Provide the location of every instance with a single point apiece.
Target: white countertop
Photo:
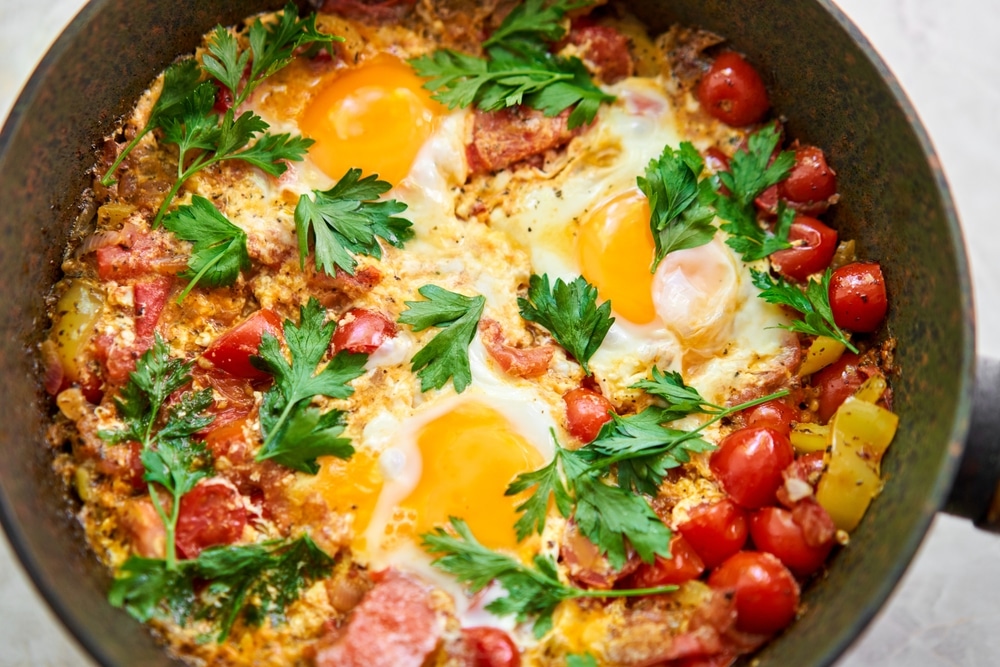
(946, 612)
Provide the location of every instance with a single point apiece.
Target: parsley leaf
(548, 482)
(532, 591)
(747, 237)
(294, 435)
(220, 247)
(585, 660)
(534, 19)
(256, 581)
(813, 303)
(447, 354)
(682, 400)
(570, 313)
(347, 219)
(672, 188)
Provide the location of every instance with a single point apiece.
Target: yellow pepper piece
(823, 352)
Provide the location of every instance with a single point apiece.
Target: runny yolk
(350, 488)
(616, 249)
(469, 457)
(374, 117)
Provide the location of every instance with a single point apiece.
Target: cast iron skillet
(823, 76)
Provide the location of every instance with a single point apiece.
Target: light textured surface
(947, 56)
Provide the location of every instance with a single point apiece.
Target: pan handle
(976, 492)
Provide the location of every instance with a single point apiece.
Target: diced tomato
(150, 298)
(211, 514)
(504, 138)
(766, 593)
(362, 331)
(491, 647)
(684, 565)
(715, 531)
(814, 245)
(378, 11)
(587, 565)
(811, 179)
(775, 532)
(603, 49)
(586, 412)
(749, 463)
(733, 92)
(234, 400)
(232, 350)
(516, 362)
(776, 414)
(229, 441)
(818, 528)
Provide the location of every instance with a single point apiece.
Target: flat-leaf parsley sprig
(295, 433)
(813, 303)
(532, 591)
(446, 356)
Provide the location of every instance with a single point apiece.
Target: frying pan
(821, 75)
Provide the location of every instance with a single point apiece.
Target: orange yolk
(374, 117)
(616, 249)
(351, 488)
(469, 456)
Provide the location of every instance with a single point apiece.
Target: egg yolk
(615, 247)
(350, 488)
(469, 457)
(374, 117)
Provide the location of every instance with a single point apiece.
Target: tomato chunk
(766, 593)
(684, 565)
(150, 299)
(857, 296)
(775, 414)
(775, 532)
(811, 178)
(733, 92)
(491, 647)
(586, 412)
(716, 531)
(211, 514)
(232, 350)
(749, 463)
(814, 245)
(362, 331)
(836, 382)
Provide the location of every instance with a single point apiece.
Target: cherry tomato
(857, 296)
(810, 180)
(715, 531)
(210, 514)
(814, 245)
(766, 593)
(775, 532)
(232, 350)
(586, 412)
(748, 465)
(835, 383)
(733, 92)
(491, 647)
(774, 414)
(362, 331)
(684, 565)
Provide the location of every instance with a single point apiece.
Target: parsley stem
(168, 523)
(198, 276)
(277, 426)
(108, 179)
(624, 593)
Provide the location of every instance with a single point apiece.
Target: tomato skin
(232, 350)
(811, 178)
(766, 593)
(362, 331)
(835, 383)
(774, 531)
(716, 531)
(857, 297)
(491, 647)
(774, 414)
(733, 92)
(748, 465)
(210, 514)
(586, 412)
(685, 565)
(815, 244)
(150, 298)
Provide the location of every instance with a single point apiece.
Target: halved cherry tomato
(814, 245)
(232, 350)
(835, 383)
(857, 296)
(748, 465)
(586, 412)
(774, 414)
(210, 514)
(491, 647)
(362, 331)
(810, 180)
(775, 532)
(716, 531)
(766, 593)
(733, 92)
(684, 565)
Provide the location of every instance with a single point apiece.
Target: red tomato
(775, 532)
(586, 412)
(748, 465)
(811, 179)
(774, 414)
(362, 331)
(150, 298)
(232, 350)
(814, 245)
(715, 531)
(684, 565)
(835, 383)
(733, 92)
(857, 296)
(210, 514)
(766, 593)
(491, 647)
